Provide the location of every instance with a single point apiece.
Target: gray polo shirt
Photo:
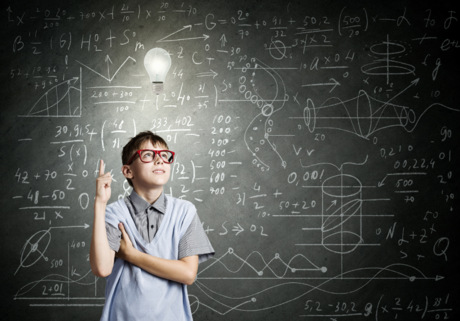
(148, 217)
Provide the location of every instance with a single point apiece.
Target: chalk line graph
(61, 100)
(108, 61)
(56, 278)
(222, 302)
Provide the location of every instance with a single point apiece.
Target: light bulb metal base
(157, 87)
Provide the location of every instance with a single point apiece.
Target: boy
(158, 243)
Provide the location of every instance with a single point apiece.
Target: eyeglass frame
(156, 152)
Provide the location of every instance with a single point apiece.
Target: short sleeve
(195, 242)
(113, 236)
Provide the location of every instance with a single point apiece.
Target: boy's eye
(147, 155)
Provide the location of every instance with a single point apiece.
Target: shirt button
(152, 226)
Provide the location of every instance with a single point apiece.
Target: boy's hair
(135, 144)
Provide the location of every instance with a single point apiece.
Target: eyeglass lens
(149, 156)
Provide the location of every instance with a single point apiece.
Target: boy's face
(148, 176)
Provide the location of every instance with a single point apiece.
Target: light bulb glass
(157, 63)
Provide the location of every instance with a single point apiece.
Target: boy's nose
(158, 159)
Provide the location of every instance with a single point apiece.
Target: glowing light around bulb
(157, 63)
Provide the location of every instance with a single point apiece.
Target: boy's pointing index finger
(101, 168)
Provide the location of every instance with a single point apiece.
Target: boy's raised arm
(101, 256)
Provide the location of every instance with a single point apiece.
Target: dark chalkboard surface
(317, 140)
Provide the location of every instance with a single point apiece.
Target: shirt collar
(140, 204)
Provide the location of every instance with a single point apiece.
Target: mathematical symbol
(148, 13)
(102, 15)
(312, 39)
(365, 81)
(413, 235)
(70, 167)
(37, 176)
(20, 19)
(384, 309)
(327, 60)
(276, 193)
(420, 256)
(58, 214)
(432, 229)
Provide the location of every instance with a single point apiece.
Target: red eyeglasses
(148, 156)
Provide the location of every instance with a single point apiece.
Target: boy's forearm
(101, 256)
(182, 271)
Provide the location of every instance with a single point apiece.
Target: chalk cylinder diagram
(341, 226)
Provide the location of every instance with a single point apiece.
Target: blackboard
(316, 138)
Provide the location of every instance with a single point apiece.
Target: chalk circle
(404, 116)
(270, 122)
(248, 94)
(260, 273)
(254, 99)
(254, 161)
(261, 103)
(412, 278)
(283, 163)
(242, 89)
(324, 269)
(257, 149)
(193, 300)
(266, 135)
(267, 110)
(348, 186)
(277, 256)
(262, 142)
(254, 128)
(293, 270)
(253, 300)
(230, 250)
(269, 130)
(35, 248)
(309, 115)
(385, 49)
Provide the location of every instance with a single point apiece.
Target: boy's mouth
(159, 171)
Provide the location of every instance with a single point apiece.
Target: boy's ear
(126, 170)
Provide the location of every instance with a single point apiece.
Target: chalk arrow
(9, 13)
(438, 277)
(238, 229)
(204, 37)
(334, 83)
(223, 40)
(334, 202)
(84, 226)
(380, 184)
(107, 59)
(208, 74)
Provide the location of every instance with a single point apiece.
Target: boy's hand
(126, 246)
(103, 182)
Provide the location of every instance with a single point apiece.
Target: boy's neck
(151, 195)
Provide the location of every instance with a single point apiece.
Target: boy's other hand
(103, 182)
(126, 246)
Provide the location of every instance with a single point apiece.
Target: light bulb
(157, 63)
